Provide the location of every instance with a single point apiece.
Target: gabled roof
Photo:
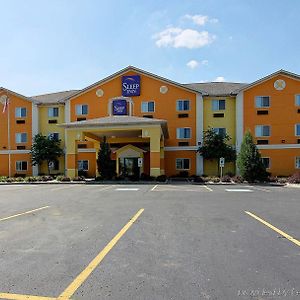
(259, 81)
(52, 98)
(17, 95)
(125, 70)
(217, 88)
(117, 121)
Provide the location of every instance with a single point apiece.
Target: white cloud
(183, 38)
(219, 79)
(192, 64)
(200, 20)
(204, 62)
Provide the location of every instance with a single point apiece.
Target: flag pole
(8, 135)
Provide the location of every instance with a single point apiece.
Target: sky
(49, 46)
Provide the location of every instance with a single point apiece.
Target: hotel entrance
(129, 167)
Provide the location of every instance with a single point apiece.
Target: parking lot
(173, 241)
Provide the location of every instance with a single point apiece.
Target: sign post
(222, 164)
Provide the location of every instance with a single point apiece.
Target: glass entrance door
(129, 166)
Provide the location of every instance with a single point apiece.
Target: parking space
(148, 241)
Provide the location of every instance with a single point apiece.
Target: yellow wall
(228, 122)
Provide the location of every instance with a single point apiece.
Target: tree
(249, 161)
(45, 149)
(104, 162)
(216, 145)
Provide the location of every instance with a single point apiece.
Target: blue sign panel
(120, 107)
(131, 85)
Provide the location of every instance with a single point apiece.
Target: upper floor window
(21, 138)
(148, 106)
(53, 136)
(53, 112)
(298, 162)
(183, 105)
(297, 100)
(81, 109)
(21, 165)
(262, 130)
(266, 162)
(182, 163)
(262, 101)
(184, 133)
(83, 165)
(21, 112)
(218, 104)
(221, 131)
(297, 129)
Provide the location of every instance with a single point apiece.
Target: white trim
(183, 148)
(88, 150)
(14, 152)
(199, 133)
(279, 146)
(239, 120)
(67, 112)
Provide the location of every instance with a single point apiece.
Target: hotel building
(153, 125)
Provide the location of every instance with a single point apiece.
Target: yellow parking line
(81, 278)
(23, 297)
(24, 213)
(287, 236)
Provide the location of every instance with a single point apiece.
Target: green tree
(216, 146)
(45, 149)
(249, 161)
(104, 162)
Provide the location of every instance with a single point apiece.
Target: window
(53, 112)
(262, 101)
(148, 106)
(53, 136)
(218, 105)
(83, 165)
(21, 165)
(262, 130)
(266, 162)
(297, 100)
(298, 162)
(21, 138)
(182, 163)
(297, 129)
(220, 131)
(184, 133)
(183, 105)
(21, 112)
(81, 109)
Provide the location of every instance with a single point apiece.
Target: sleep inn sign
(131, 85)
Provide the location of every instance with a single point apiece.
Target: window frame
(262, 130)
(21, 161)
(218, 100)
(256, 98)
(53, 109)
(297, 99)
(52, 133)
(183, 138)
(297, 159)
(267, 157)
(183, 159)
(20, 110)
(81, 106)
(147, 102)
(21, 133)
(183, 100)
(88, 165)
(219, 130)
(296, 126)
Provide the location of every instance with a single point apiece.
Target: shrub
(146, 177)
(63, 178)
(31, 179)
(161, 178)
(78, 178)
(282, 180)
(226, 178)
(198, 179)
(19, 179)
(3, 178)
(183, 174)
(46, 178)
(238, 179)
(295, 178)
(19, 175)
(272, 179)
(230, 174)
